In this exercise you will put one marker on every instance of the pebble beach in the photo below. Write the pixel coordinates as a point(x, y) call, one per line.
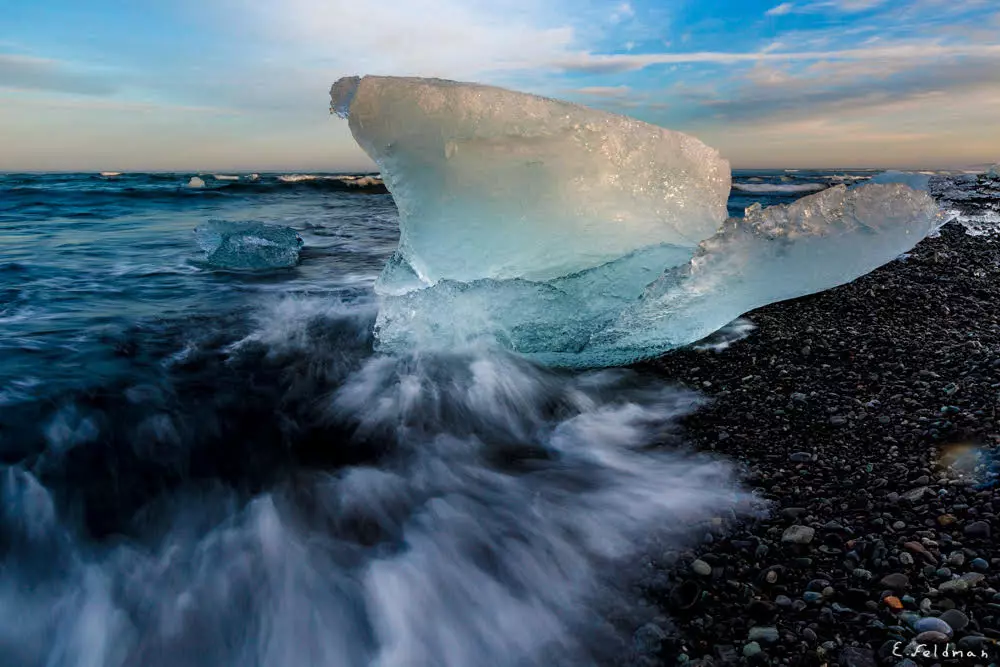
point(867, 417)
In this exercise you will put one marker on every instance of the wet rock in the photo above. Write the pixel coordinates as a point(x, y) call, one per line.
point(726, 654)
point(702, 568)
point(955, 619)
point(973, 578)
point(763, 634)
point(914, 495)
point(896, 581)
point(853, 656)
point(956, 586)
point(971, 643)
point(649, 639)
point(932, 624)
point(931, 637)
point(893, 602)
point(978, 529)
point(849, 482)
point(798, 534)
point(918, 548)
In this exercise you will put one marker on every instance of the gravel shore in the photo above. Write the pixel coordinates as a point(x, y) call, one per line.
point(868, 416)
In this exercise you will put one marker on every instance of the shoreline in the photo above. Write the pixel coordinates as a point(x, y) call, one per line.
point(846, 408)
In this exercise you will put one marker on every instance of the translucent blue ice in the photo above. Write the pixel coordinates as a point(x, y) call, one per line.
point(915, 180)
point(248, 245)
point(583, 238)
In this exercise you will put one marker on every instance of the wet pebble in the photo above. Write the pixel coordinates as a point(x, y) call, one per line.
point(932, 624)
point(798, 534)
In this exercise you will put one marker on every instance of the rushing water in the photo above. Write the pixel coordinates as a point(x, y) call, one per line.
point(208, 467)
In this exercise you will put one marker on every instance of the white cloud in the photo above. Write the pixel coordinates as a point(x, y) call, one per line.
point(30, 99)
point(780, 10)
point(52, 132)
point(915, 51)
point(844, 6)
point(852, 5)
point(30, 73)
point(622, 12)
point(446, 38)
point(604, 91)
point(926, 130)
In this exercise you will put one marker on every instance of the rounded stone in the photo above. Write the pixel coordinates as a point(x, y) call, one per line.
point(895, 581)
point(701, 567)
point(763, 634)
point(977, 529)
point(798, 534)
point(932, 624)
point(649, 638)
point(956, 619)
point(931, 637)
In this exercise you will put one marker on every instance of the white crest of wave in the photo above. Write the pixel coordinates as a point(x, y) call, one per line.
point(284, 325)
point(494, 530)
point(986, 223)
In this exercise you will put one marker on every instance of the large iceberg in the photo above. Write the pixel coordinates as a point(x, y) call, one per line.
point(496, 184)
point(584, 238)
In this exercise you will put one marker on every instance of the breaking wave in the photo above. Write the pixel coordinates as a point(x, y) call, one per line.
point(972, 199)
point(486, 512)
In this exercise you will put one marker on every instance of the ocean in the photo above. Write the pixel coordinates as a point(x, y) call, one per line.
point(94, 266)
point(209, 466)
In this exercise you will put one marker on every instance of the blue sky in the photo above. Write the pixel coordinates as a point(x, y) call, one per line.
point(234, 84)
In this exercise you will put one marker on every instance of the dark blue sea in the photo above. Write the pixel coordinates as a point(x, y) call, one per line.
point(208, 466)
point(96, 272)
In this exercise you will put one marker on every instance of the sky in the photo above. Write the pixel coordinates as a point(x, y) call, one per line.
point(243, 85)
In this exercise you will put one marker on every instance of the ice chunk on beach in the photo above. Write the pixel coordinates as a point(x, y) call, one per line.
point(581, 238)
point(773, 254)
point(196, 182)
point(916, 180)
point(248, 245)
point(648, 302)
point(494, 184)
